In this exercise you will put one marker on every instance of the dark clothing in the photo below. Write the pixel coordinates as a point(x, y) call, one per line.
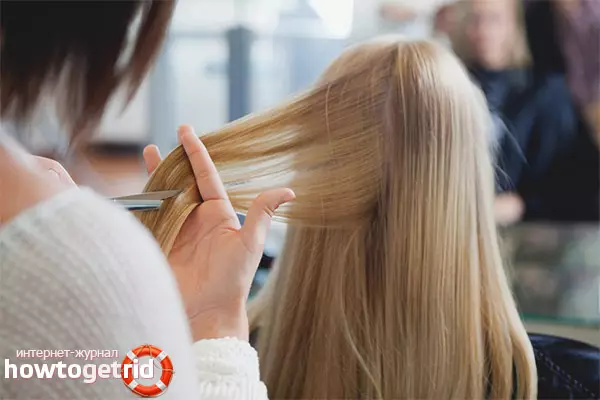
point(541, 127)
point(572, 186)
point(566, 369)
point(567, 42)
point(542, 37)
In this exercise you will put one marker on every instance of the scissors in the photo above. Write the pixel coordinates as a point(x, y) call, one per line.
point(145, 201)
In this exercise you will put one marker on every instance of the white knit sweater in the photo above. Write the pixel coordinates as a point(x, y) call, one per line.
point(78, 273)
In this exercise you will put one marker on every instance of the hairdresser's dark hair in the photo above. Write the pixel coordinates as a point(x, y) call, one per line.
point(79, 44)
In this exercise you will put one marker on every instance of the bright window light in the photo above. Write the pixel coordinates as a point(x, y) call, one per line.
point(336, 15)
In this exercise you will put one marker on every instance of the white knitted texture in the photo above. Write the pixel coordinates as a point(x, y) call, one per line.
point(77, 272)
point(228, 369)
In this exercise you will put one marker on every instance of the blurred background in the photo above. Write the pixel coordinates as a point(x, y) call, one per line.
point(537, 61)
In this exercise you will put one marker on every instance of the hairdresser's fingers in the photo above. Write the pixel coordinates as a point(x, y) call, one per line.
point(151, 157)
point(207, 178)
point(55, 169)
point(258, 220)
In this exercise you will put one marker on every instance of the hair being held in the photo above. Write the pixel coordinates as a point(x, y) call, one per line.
point(390, 284)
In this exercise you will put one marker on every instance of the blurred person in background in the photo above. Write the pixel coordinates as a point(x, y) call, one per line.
point(77, 272)
point(564, 36)
point(536, 108)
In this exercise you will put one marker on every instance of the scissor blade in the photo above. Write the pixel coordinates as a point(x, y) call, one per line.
point(139, 205)
point(165, 194)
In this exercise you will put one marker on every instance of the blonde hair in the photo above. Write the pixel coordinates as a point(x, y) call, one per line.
point(518, 54)
point(390, 284)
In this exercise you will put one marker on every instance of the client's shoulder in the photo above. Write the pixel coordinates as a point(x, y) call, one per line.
point(566, 368)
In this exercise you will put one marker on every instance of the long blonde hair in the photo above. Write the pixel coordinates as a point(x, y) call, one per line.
point(391, 283)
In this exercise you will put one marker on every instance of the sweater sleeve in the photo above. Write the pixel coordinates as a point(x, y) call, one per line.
point(228, 369)
point(79, 274)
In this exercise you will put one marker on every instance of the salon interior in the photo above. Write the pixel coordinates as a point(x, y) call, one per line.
point(225, 59)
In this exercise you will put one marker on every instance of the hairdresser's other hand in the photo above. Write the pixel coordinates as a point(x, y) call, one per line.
point(509, 208)
point(29, 179)
point(213, 258)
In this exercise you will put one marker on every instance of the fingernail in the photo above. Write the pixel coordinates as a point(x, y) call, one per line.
point(180, 132)
point(185, 130)
point(54, 173)
point(288, 196)
point(187, 135)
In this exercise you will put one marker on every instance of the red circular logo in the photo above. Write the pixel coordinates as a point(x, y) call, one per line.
point(130, 370)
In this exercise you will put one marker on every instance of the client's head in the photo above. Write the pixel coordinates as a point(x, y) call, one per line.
point(390, 283)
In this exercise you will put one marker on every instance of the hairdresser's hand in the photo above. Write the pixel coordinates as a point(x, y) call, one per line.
point(29, 179)
point(213, 259)
point(509, 208)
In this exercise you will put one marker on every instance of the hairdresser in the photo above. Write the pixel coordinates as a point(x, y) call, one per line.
point(77, 272)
